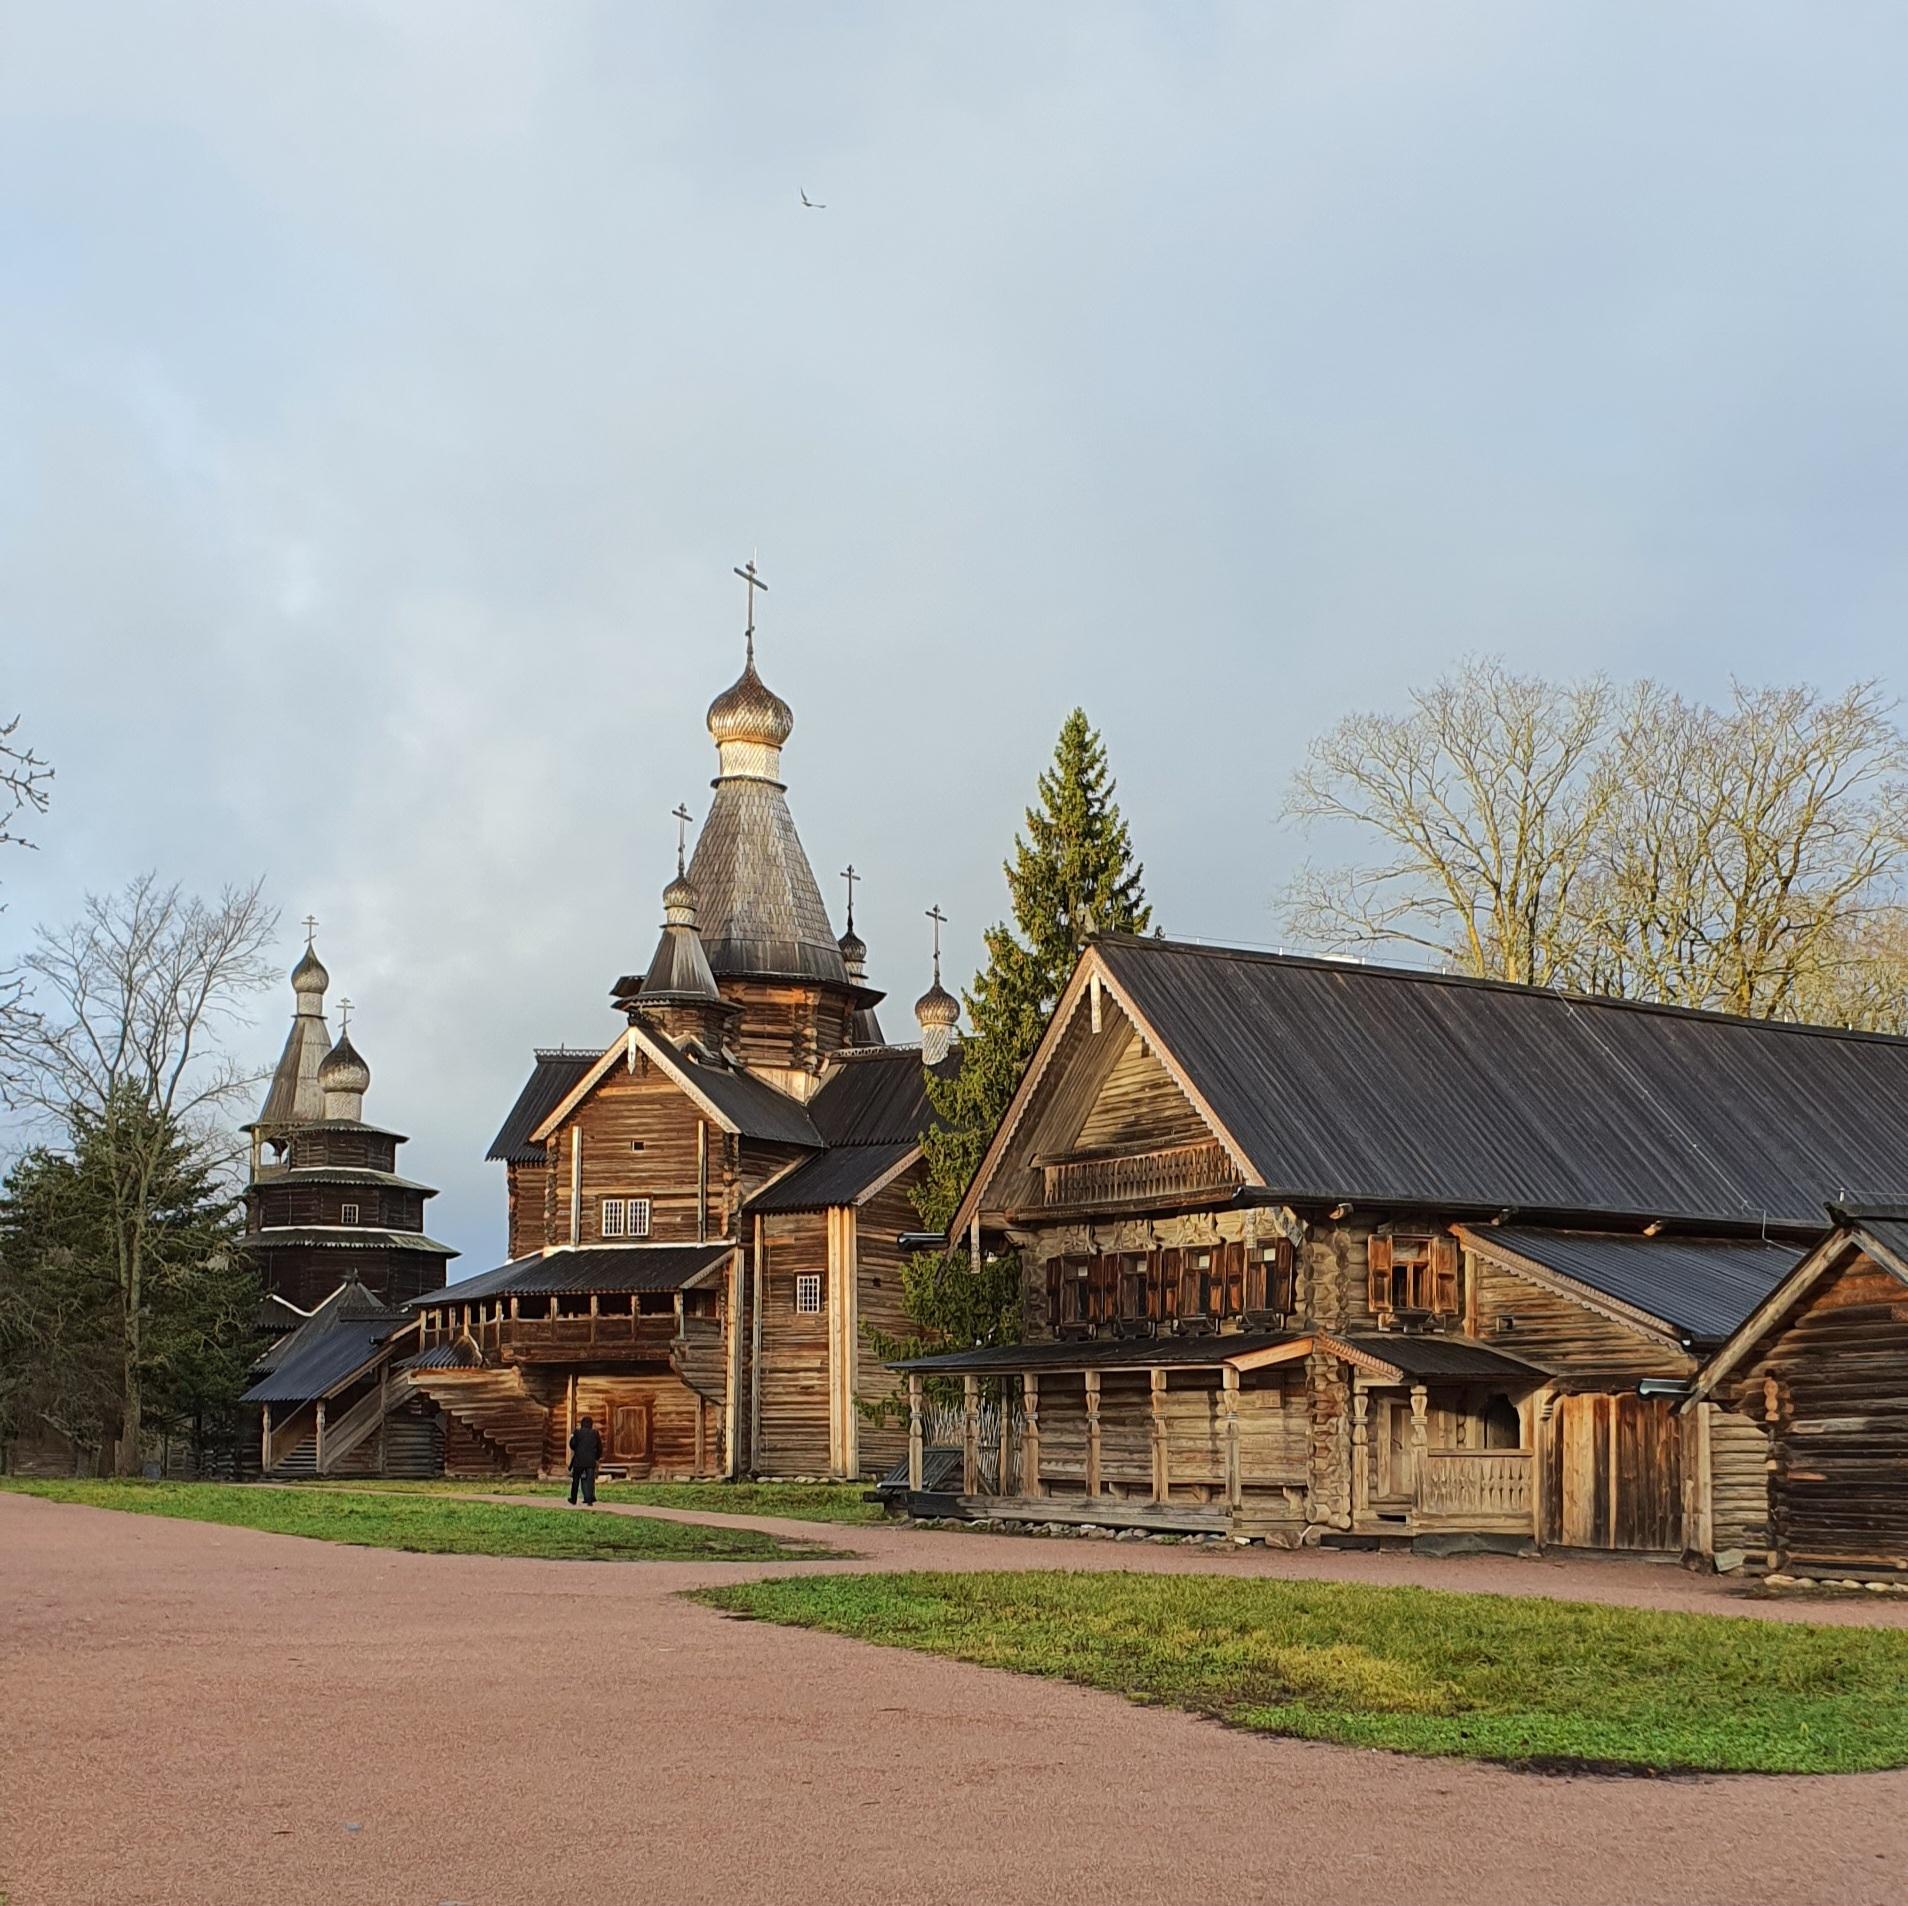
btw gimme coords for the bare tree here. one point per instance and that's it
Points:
(1747, 858)
(1486, 798)
(119, 1038)
(23, 783)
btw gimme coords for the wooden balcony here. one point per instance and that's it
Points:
(1176, 1171)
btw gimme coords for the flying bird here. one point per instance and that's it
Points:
(814, 205)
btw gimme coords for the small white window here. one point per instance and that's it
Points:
(624, 1218)
(808, 1295)
(348, 1214)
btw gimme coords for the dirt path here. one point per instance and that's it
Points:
(204, 1716)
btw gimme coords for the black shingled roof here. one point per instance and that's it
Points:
(1352, 1082)
(321, 1363)
(1701, 1287)
(836, 1177)
(552, 1078)
(873, 1098)
(593, 1267)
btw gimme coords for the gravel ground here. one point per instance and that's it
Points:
(200, 1716)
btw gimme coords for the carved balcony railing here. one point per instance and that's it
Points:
(1130, 1177)
(1476, 1485)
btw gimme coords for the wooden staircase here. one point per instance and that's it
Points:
(494, 1405)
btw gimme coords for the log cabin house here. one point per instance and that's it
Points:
(1820, 1370)
(1324, 1251)
(704, 1214)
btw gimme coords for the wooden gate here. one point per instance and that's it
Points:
(1615, 1474)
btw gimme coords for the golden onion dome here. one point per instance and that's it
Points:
(749, 710)
(343, 1070)
(937, 1007)
(309, 975)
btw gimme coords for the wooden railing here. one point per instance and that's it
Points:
(1170, 1172)
(1467, 1485)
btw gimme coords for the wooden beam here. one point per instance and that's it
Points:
(1006, 1436)
(1162, 1473)
(1093, 1433)
(915, 1451)
(1030, 1484)
(1361, 1449)
(1229, 1400)
(702, 1181)
(576, 1184)
(755, 1357)
(731, 1403)
(970, 1435)
(319, 1459)
(265, 1440)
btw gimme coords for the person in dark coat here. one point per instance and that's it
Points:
(586, 1451)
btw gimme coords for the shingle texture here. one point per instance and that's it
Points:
(759, 910)
(1701, 1287)
(1345, 1082)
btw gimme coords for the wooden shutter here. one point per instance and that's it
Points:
(1444, 1275)
(1053, 1293)
(1169, 1281)
(1282, 1293)
(1378, 1275)
(1232, 1262)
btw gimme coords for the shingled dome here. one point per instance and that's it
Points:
(749, 710)
(309, 975)
(343, 1069)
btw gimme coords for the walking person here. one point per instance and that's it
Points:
(586, 1451)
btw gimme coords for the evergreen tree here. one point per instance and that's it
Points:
(63, 1328)
(1072, 875)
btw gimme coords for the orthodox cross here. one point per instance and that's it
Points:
(935, 914)
(311, 930)
(755, 582)
(344, 1017)
(682, 817)
(848, 874)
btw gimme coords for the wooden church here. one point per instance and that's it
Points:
(705, 1214)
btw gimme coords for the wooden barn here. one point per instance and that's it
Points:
(704, 1213)
(1318, 1250)
(1819, 1370)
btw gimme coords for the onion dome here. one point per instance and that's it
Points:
(679, 901)
(750, 711)
(309, 978)
(854, 953)
(343, 1070)
(937, 1007)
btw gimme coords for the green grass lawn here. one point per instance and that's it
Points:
(429, 1525)
(797, 1501)
(1423, 1671)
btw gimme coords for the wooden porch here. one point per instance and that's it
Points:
(1441, 1458)
(1203, 1449)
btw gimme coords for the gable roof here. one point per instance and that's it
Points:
(339, 1338)
(876, 1097)
(1342, 1082)
(1881, 1231)
(845, 1175)
(736, 1100)
(551, 1078)
(1701, 1288)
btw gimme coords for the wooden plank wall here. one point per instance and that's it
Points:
(1139, 1107)
(794, 1374)
(647, 1108)
(878, 1223)
(1837, 1372)
(671, 1406)
(1561, 1333)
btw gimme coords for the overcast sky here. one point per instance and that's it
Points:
(386, 391)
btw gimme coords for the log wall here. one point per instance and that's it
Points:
(794, 1368)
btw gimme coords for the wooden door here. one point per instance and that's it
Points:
(1400, 1478)
(1582, 1428)
(1619, 1473)
(629, 1433)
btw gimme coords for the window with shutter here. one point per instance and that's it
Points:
(1169, 1269)
(1233, 1266)
(1444, 1276)
(1378, 1256)
(1053, 1293)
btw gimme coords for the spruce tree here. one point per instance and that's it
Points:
(1072, 874)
